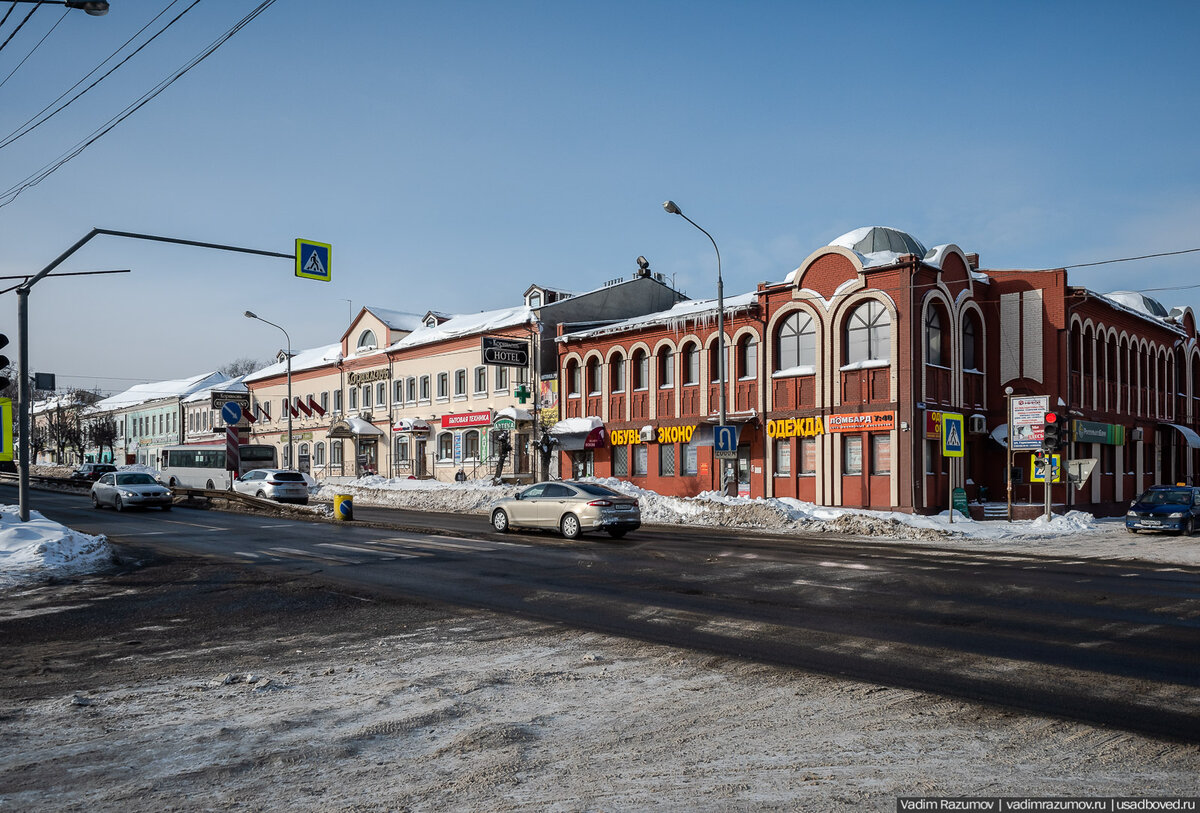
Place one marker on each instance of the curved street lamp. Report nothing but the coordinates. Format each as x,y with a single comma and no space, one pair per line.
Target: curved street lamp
96,8
291,457
673,209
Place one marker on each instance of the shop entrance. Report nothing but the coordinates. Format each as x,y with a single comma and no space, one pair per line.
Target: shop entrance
368,457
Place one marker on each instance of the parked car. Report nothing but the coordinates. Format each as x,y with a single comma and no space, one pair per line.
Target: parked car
1165,508
571,507
281,485
130,489
92,471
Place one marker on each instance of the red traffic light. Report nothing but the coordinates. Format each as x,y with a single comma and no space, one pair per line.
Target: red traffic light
1050,417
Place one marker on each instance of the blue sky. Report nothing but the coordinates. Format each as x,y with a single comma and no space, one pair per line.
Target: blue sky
454,153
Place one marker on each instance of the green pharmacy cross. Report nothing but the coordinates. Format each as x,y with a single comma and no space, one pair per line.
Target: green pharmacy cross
522,394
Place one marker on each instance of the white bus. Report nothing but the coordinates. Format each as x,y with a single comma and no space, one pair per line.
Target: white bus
202,465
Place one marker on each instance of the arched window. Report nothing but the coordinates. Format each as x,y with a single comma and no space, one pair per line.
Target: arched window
616,374
934,339
319,454
796,342
593,376
572,379
470,445
401,449
445,446
970,343
335,453
367,340
690,364
747,357
666,367
641,370
869,333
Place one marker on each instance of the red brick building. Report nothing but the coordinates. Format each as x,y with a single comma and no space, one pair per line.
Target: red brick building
837,378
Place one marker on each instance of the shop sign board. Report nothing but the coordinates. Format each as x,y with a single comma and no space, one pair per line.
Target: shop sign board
466,419
505,352
861,422
1091,432
933,425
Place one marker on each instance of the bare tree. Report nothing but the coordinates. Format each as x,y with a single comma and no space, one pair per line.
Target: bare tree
62,427
241,366
103,432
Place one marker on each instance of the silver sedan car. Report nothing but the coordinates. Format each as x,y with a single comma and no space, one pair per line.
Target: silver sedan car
281,485
130,489
571,507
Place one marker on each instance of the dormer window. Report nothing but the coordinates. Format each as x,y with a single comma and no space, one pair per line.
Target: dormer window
431,321
535,299
367,341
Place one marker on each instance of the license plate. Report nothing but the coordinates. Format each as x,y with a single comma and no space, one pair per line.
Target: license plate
1151,522
623,507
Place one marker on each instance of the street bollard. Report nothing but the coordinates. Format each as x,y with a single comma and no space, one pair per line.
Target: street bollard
343,507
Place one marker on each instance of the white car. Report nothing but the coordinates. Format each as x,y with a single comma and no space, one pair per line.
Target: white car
130,489
571,507
281,485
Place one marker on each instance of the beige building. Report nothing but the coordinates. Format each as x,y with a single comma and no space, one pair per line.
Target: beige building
410,395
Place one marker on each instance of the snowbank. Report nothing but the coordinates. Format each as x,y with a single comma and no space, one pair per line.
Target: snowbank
41,548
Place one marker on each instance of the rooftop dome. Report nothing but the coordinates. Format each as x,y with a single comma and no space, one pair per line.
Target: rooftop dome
879,239
1138,302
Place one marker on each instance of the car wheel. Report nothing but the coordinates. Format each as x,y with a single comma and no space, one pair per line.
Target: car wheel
262,495
569,525
117,504
617,533
167,507
500,521
174,483
95,501
209,485
1132,530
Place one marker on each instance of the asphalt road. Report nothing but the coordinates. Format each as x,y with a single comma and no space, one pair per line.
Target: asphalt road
1107,643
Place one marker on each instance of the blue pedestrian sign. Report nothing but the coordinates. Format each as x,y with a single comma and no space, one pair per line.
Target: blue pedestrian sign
231,413
952,434
314,260
725,441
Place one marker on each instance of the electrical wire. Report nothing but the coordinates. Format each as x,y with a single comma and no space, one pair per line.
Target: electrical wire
39,45
11,8
11,194
26,128
19,25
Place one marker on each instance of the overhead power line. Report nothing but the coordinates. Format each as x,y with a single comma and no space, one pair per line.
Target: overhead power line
20,25
34,48
11,194
30,124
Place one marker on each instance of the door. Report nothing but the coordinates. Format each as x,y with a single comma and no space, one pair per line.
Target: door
743,471
419,459
525,510
555,502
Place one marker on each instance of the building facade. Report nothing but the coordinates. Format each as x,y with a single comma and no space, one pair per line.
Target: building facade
837,378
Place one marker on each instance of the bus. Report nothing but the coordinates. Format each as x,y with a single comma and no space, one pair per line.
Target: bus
202,465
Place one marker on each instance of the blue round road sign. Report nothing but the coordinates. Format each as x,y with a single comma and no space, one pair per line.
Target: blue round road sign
231,413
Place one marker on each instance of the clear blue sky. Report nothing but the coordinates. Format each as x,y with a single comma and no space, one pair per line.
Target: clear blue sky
455,152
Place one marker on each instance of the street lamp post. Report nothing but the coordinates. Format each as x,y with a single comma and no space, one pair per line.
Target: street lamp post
291,457
96,8
672,208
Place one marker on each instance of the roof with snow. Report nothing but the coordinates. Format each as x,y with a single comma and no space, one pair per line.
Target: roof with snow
1139,302
158,390
880,245
397,320
688,311
229,385
304,360
466,325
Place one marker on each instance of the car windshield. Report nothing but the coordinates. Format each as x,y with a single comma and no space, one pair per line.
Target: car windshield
595,490
135,479
1167,497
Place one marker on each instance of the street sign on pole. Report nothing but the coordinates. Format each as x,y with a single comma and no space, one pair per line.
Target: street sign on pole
725,440
231,413
952,434
314,260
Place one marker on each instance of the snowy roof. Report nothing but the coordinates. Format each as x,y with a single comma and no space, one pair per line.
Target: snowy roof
467,325
304,360
879,245
681,313
1137,302
575,426
397,320
158,390
231,385
360,427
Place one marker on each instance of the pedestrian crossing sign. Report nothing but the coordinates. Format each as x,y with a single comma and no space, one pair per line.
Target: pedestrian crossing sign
952,434
314,260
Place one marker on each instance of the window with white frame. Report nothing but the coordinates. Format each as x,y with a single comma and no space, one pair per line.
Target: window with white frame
335,453
443,386
402,449
319,454
460,383
366,396
641,460
354,398
470,444
481,380
398,393
425,388
783,457
445,447
869,333
381,393
501,377
337,401
688,458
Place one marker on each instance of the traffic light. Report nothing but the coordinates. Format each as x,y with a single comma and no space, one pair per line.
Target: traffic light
1056,431
4,381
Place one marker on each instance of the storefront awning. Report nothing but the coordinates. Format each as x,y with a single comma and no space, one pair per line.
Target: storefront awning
572,434
1193,440
515,413
411,425
353,427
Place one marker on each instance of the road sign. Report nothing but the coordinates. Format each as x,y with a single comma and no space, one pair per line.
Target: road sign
952,434
1079,470
1044,465
314,260
505,352
231,413
242,399
725,439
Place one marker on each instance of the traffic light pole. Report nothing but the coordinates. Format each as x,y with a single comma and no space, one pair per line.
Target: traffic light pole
24,406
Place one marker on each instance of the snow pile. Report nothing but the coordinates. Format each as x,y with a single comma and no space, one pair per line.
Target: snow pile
473,496
41,548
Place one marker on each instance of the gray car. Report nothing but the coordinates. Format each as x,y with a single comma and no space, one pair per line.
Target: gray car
130,489
571,507
281,485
